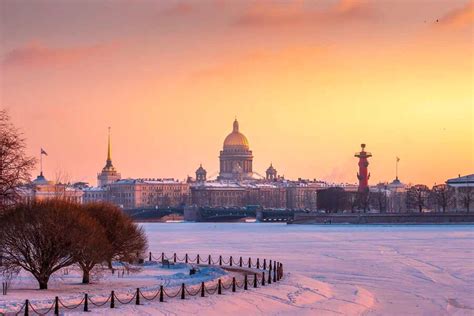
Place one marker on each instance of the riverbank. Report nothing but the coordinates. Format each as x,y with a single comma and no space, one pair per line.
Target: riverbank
387,218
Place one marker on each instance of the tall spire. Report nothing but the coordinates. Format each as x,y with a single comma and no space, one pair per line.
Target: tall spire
108,149
108,163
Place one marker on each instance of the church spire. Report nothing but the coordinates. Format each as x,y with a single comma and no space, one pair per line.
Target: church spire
108,149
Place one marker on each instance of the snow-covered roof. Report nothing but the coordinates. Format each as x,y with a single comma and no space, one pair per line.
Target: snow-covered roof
149,181
464,181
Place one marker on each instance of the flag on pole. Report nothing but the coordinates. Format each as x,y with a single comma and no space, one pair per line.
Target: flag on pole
43,152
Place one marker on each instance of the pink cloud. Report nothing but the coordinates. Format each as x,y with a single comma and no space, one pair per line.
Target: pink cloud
177,9
293,13
459,18
36,54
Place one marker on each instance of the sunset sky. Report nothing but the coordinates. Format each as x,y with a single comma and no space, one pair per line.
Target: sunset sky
308,81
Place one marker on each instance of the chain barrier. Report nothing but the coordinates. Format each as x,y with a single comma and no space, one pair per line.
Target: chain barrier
226,287
172,296
38,313
22,307
275,273
150,299
210,291
125,303
70,307
193,294
100,304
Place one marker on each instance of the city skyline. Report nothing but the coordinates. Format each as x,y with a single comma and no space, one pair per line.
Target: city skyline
309,82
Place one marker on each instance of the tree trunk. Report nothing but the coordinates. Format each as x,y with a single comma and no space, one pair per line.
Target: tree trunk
43,284
85,276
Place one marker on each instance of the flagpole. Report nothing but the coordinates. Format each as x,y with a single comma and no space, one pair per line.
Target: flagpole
41,162
396,168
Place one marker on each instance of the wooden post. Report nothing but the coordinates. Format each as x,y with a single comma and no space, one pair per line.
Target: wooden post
274,274
240,262
250,262
198,259
245,282
270,276
186,258
174,257
230,261
255,280
182,291
149,256
56,305
112,299
26,307
258,263
162,257
202,289
220,260
264,264
263,278
233,284
161,293
137,299
219,287
86,302
209,260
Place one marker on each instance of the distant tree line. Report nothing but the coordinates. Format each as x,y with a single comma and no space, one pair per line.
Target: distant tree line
416,198
43,237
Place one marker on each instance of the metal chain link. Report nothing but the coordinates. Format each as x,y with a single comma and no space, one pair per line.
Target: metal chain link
172,296
98,304
118,300
195,293
36,312
150,299
22,307
71,307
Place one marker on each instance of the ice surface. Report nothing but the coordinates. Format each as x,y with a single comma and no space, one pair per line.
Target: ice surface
330,269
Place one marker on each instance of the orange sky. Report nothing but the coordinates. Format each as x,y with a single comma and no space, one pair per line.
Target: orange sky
308,80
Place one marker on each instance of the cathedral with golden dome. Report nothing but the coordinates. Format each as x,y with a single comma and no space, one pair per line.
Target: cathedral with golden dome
236,157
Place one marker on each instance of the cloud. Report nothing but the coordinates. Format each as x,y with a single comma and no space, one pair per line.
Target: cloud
295,13
459,18
178,9
36,54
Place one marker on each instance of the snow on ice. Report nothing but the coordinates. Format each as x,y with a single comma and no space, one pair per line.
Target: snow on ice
329,269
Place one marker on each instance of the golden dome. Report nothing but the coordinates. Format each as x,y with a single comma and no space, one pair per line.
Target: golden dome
236,140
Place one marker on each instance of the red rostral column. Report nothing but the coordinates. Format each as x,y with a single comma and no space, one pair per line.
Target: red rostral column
363,174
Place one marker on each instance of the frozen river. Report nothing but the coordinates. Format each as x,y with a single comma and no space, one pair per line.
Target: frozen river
350,270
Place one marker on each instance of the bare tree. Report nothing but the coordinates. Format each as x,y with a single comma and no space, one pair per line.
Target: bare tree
467,197
441,196
417,196
128,241
39,237
15,165
92,246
